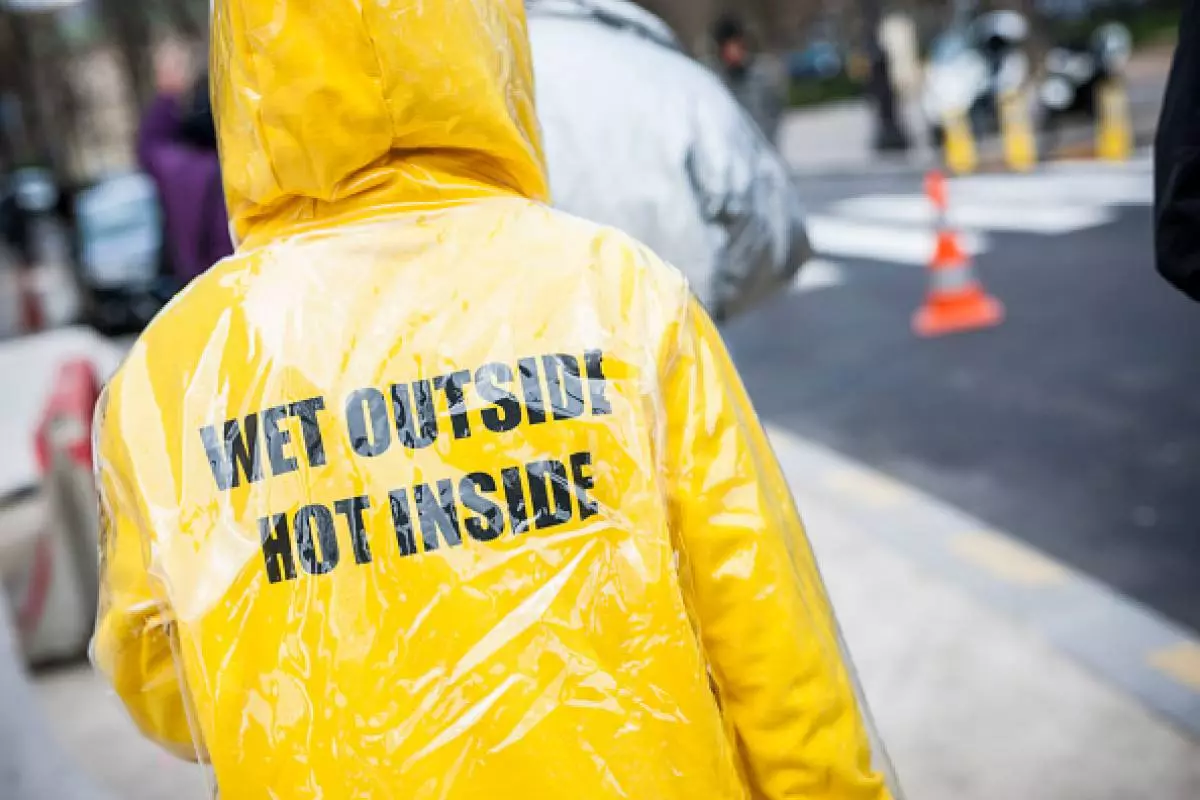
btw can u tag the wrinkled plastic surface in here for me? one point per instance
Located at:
(434, 492)
(641, 137)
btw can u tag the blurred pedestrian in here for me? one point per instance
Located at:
(1177, 163)
(641, 137)
(177, 147)
(755, 86)
(434, 491)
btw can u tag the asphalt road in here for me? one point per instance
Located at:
(1075, 426)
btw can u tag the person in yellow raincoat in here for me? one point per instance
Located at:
(431, 491)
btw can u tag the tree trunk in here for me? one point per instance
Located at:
(20, 66)
(126, 22)
(189, 17)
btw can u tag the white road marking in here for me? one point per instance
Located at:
(1142, 161)
(848, 238)
(1036, 217)
(1058, 188)
(899, 228)
(817, 274)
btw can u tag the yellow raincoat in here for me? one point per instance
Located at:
(434, 492)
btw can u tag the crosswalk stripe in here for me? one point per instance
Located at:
(850, 238)
(1118, 188)
(1142, 161)
(1039, 217)
(817, 274)
(898, 228)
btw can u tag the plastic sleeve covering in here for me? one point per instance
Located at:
(483, 599)
(132, 646)
(765, 622)
(743, 188)
(433, 492)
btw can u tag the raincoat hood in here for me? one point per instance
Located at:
(337, 108)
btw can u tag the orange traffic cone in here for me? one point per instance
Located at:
(956, 300)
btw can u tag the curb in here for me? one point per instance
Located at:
(1077, 144)
(1131, 646)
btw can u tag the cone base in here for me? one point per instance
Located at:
(966, 312)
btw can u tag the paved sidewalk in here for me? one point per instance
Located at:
(972, 704)
(92, 724)
(32, 766)
(835, 138)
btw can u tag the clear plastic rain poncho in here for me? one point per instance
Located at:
(641, 137)
(434, 492)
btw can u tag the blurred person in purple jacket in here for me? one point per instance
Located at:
(177, 147)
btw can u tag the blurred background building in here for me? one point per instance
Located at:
(74, 73)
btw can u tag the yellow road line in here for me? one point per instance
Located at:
(1007, 559)
(1181, 662)
(866, 487)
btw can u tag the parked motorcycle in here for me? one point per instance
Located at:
(970, 66)
(1074, 72)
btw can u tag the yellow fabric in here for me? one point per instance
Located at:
(434, 492)
(133, 640)
(333, 108)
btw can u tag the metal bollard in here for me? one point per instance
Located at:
(960, 143)
(1016, 131)
(1114, 134)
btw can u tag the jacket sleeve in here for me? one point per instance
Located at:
(744, 189)
(1177, 163)
(765, 622)
(132, 646)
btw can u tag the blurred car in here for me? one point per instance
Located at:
(26, 196)
(119, 253)
(820, 60)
